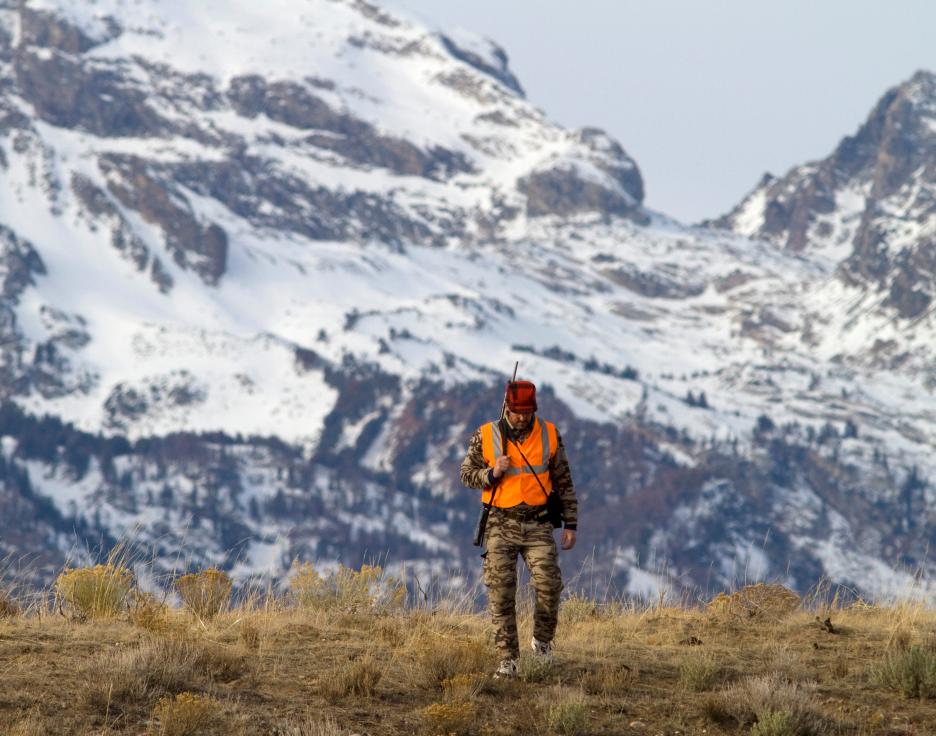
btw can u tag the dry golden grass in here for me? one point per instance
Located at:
(760, 600)
(333, 668)
(450, 717)
(367, 590)
(205, 593)
(125, 677)
(8, 606)
(310, 726)
(147, 612)
(101, 591)
(759, 700)
(434, 659)
(699, 671)
(31, 724)
(566, 711)
(355, 679)
(187, 714)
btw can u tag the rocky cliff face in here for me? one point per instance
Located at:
(872, 199)
(265, 275)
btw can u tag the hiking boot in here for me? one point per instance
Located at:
(542, 650)
(507, 668)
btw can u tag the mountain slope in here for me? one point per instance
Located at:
(870, 205)
(268, 270)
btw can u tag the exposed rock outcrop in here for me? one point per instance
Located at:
(499, 70)
(607, 182)
(201, 247)
(876, 193)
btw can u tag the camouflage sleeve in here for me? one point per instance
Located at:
(474, 468)
(561, 476)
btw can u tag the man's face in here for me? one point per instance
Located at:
(519, 420)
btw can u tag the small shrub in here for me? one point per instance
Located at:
(449, 718)
(94, 592)
(754, 699)
(464, 686)
(780, 659)
(8, 607)
(567, 714)
(249, 635)
(186, 715)
(698, 672)
(366, 590)
(576, 609)
(359, 677)
(911, 672)
(771, 600)
(148, 613)
(205, 593)
(438, 661)
(535, 669)
(774, 723)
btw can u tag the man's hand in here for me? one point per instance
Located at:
(568, 538)
(501, 466)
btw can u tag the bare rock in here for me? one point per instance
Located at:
(200, 247)
(499, 71)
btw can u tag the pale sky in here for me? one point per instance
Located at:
(705, 95)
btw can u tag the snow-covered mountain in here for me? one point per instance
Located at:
(265, 269)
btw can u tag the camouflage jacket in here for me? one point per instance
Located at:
(475, 470)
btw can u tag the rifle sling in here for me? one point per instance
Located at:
(542, 487)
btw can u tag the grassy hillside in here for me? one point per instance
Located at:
(344, 655)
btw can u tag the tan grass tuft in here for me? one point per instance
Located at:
(148, 613)
(249, 635)
(450, 718)
(761, 600)
(754, 699)
(359, 677)
(698, 671)
(367, 590)
(576, 609)
(465, 686)
(311, 726)
(911, 672)
(157, 666)
(205, 593)
(8, 607)
(94, 592)
(31, 725)
(187, 714)
(780, 659)
(536, 669)
(567, 712)
(437, 660)
(610, 680)
(774, 723)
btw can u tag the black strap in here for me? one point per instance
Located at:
(542, 487)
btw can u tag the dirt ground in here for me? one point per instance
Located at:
(288, 669)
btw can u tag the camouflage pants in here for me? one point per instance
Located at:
(533, 541)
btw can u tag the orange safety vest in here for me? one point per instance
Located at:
(518, 484)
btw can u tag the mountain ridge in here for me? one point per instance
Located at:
(306, 290)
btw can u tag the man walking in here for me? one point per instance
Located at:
(521, 460)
